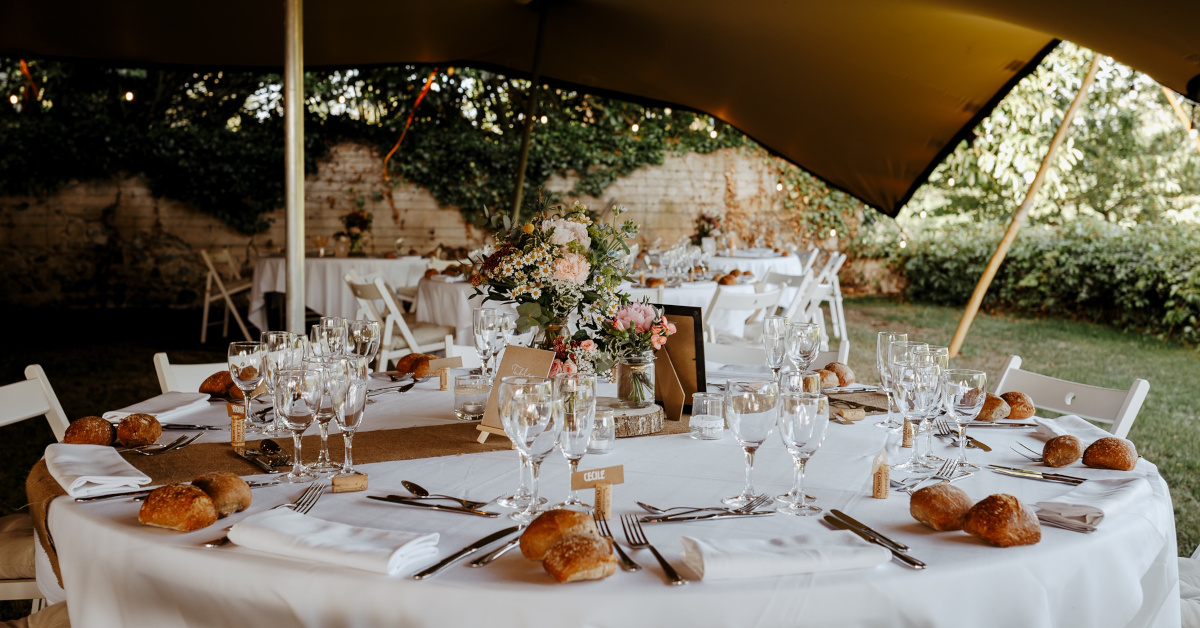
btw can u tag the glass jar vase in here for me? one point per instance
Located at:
(635, 380)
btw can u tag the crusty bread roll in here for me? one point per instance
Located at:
(90, 430)
(580, 557)
(656, 282)
(728, 280)
(217, 383)
(1061, 451)
(421, 367)
(1111, 453)
(550, 527)
(844, 374)
(180, 507)
(431, 273)
(416, 364)
(452, 270)
(139, 429)
(735, 272)
(829, 379)
(942, 506)
(228, 492)
(1020, 406)
(1003, 521)
(994, 409)
(747, 273)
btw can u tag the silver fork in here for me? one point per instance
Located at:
(945, 473)
(302, 505)
(944, 429)
(627, 563)
(1037, 457)
(637, 540)
(152, 446)
(171, 447)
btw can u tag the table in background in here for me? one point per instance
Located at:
(786, 264)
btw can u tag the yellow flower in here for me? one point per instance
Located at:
(528, 228)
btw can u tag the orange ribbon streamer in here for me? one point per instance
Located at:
(408, 123)
(33, 88)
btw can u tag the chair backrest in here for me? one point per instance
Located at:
(30, 398)
(729, 300)
(841, 355)
(224, 258)
(734, 354)
(808, 259)
(802, 284)
(390, 318)
(470, 357)
(442, 264)
(1105, 405)
(183, 377)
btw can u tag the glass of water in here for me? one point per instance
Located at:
(604, 431)
(470, 396)
(708, 415)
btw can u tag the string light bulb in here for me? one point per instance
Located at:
(667, 111)
(342, 99)
(904, 244)
(635, 127)
(13, 99)
(712, 134)
(778, 187)
(545, 119)
(922, 213)
(129, 96)
(833, 233)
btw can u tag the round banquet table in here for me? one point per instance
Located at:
(325, 290)
(450, 303)
(759, 265)
(117, 572)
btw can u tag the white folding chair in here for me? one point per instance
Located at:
(1118, 408)
(406, 296)
(783, 280)
(183, 377)
(235, 285)
(20, 401)
(728, 300)
(734, 354)
(841, 355)
(470, 357)
(402, 334)
(820, 291)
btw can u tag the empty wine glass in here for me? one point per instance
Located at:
(750, 411)
(354, 408)
(526, 410)
(298, 392)
(334, 380)
(363, 338)
(574, 408)
(506, 326)
(940, 358)
(274, 343)
(803, 419)
(775, 341)
(914, 382)
(803, 344)
(246, 368)
(792, 380)
(883, 343)
(963, 394)
(483, 321)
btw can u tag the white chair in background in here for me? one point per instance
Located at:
(225, 291)
(749, 354)
(402, 333)
(406, 296)
(18, 545)
(728, 300)
(470, 357)
(183, 377)
(1119, 408)
(825, 289)
(800, 282)
(808, 259)
(841, 355)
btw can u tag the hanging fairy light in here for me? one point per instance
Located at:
(635, 127)
(713, 134)
(833, 233)
(545, 119)
(13, 99)
(129, 96)
(778, 187)
(904, 244)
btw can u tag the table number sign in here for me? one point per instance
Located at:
(516, 361)
(602, 480)
(679, 366)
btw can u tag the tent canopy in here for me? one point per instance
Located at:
(870, 95)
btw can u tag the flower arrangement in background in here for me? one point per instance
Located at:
(706, 225)
(357, 225)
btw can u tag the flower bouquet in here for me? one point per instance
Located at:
(630, 338)
(706, 225)
(357, 225)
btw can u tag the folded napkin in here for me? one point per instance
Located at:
(165, 407)
(286, 533)
(725, 559)
(1091, 501)
(1068, 424)
(87, 470)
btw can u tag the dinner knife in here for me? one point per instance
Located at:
(978, 443)
(897, 554)
(398, 499)
(1041, 473)
(992, 424)
(176, 426)
(868, 529)
(1040, 477)
(147, 491)
(462, 553)
(719, 515)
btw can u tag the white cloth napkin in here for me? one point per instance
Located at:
(165, 407)
(1091, 501)
(87, 470)
(287, 533)
(1068, 424)
(725, 559)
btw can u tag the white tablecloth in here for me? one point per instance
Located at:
(118, 572)
(786, 264)
(325, 288)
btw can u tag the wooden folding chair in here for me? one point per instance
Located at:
(225, 291)
(1118, 408)
(402, 333)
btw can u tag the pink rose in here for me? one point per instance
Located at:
(569, 366)
(587, 345)
(573, 268)
(670, 327)
(556, 367)
(658, 342)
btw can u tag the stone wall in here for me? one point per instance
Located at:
(113, 244)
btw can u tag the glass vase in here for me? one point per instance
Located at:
(635, 380)
(546, 335)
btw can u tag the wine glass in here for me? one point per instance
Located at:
(940, 358)
(803, 344)
(574, 408)
(363, 338)
(246, 368)
(803, 419)
(337, 331)
(482, 321)
(913, 381)
(883, 343)
(775, 341)
(793, 380)
(354, 408)
(501, 336)
(297, 394)
(333, 380)
(527, 412)
(963, 394)
(750, 410)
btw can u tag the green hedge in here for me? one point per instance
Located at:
(1145, 279)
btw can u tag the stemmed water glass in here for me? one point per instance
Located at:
(281, 350)
(334, 381)
(527, 412)
(883, 343)
(246, 368)
(793, 380)
(803, 344)
(483, 321)
(328, 337)
(963, 394)
(353, 409)
(914, 380)
(574, 409)
(750, 410)
(362, 339)
(501, 336)
(298, 392)
(775, 341)
(940, 358)
(803, 419)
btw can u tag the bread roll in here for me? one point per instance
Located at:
(844, 374)
(180, 507)
(421, 366)
(942, 506)
(994, 409)
(217, 383)
(747, 273)
(228, 492)
(1061, 451)
(408, 364)
(431, 273)
(550, 527)
(728, 280)
(829, 379)
(90, 430)
(453, 270)
(735, 272)
(1020, 406)
(233, 392)
(1111, 453)
(1003, 521)
(656, 282)
(580, 557)
(139, 429)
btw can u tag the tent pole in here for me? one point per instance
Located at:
(293, 100)
(530, 112)
(1187, 124)
(960, 334)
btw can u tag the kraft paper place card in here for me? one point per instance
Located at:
(517, 361)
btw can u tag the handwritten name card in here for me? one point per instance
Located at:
(521, 361)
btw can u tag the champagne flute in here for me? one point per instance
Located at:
(297, 394)
(526, 410)
(363, 338)
(775, 341)
(354, 408)
(246, 368)
(803, 344)
(883, 343)
(963, 393)
(940, 358)
(803, 419)
(574, 408)
(750, 410)
(482, 319)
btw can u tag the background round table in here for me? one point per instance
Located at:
(760, 266)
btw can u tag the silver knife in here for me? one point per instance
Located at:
(175, 426)
(256, 461)
(898, 555)
(1039, 477)
(991, 424)
(397, 499)
(869, 530)
(398, 389)
(466, 551)
(1041, 473)
(147, 491)
(719, 515)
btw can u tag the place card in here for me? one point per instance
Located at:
(517, 361)
(602, 480)
(881, 475)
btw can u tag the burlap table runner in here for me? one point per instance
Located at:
(872, 401)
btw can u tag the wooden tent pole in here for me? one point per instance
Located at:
(1187, 124)
(293, 156)
(530, 112)
(1018, 218)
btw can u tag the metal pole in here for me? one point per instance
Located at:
(530, 112)
(960, 334)
(293, 117)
